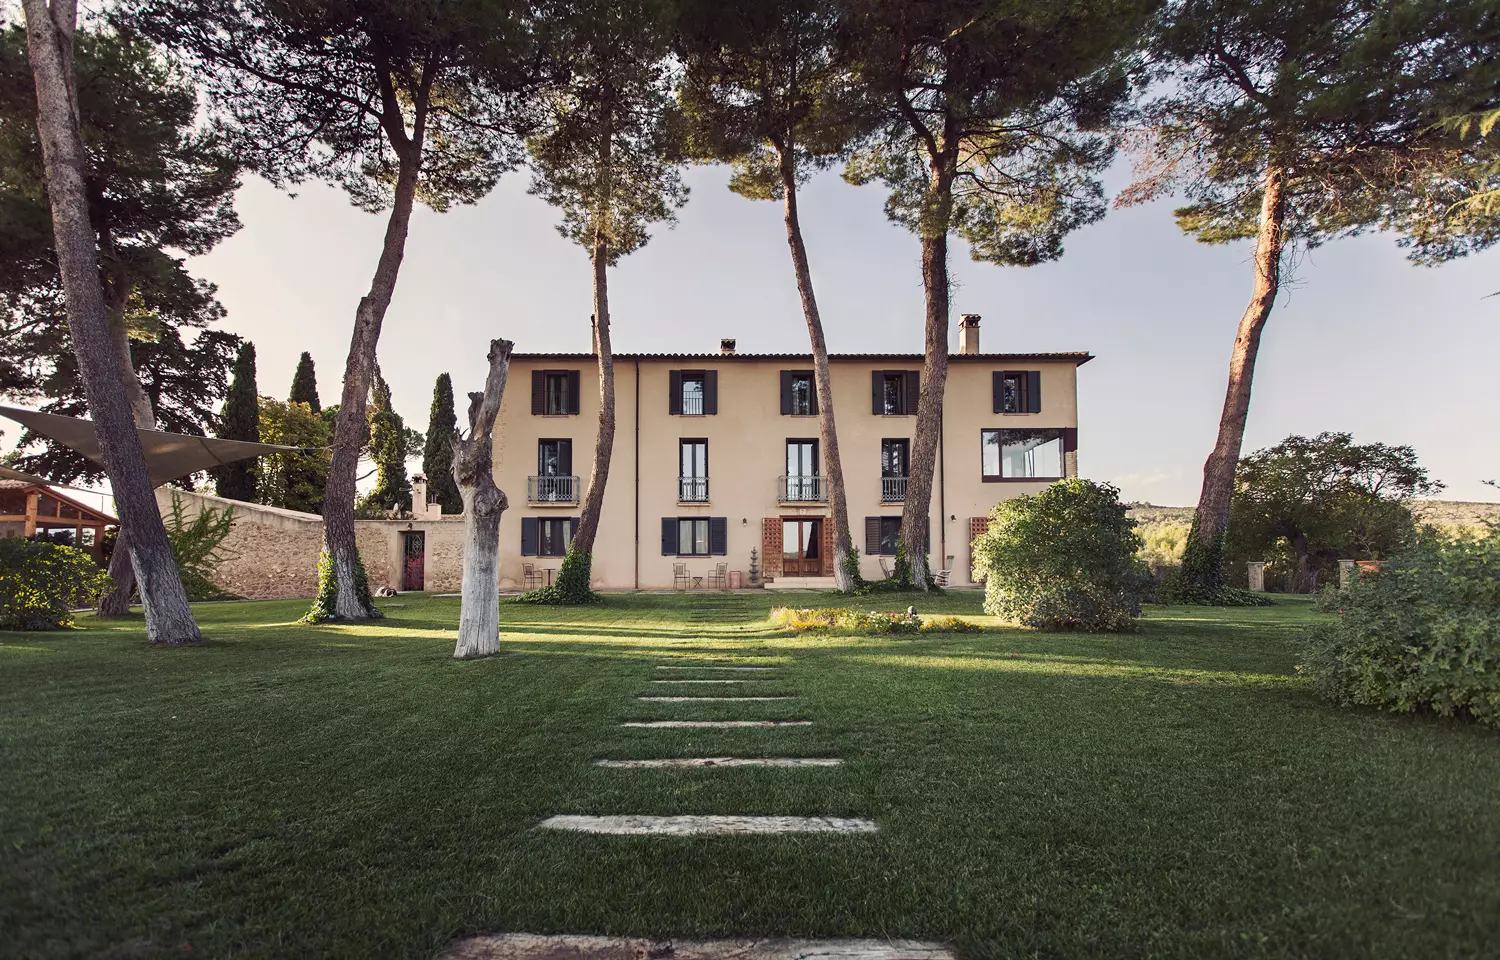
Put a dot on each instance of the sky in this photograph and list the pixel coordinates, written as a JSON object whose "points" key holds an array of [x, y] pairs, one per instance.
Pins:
{"points": [[1360, 340]]}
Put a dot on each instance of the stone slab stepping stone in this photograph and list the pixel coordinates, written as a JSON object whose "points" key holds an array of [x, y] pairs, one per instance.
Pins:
{"points": [[670, 762], [708, 699], [712, 667], [717, 723], [704, 825], [530, 946], [698, 681]]}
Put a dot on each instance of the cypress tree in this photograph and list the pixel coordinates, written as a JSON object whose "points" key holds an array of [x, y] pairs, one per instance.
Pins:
{"points": [[305, 384], [437, 455], [240, 420], [388, 445]]}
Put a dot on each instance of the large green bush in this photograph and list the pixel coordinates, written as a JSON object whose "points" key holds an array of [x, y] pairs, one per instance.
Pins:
{"points": [[41, 583], [1065, 559], [1422, 634]]}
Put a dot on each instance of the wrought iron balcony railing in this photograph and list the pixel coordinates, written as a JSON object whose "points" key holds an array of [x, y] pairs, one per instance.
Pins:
{"points": [[809, 488], [692, 489], [551, 489], [892, 489]]}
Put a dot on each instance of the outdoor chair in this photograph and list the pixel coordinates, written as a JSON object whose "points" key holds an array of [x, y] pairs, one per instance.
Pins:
{"points": [[719, 578], [530, 577], [681, 579], [885, 568], [940, 577]]}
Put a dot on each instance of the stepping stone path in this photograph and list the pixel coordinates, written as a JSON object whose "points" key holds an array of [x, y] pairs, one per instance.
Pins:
{"points": [[557, 947]]}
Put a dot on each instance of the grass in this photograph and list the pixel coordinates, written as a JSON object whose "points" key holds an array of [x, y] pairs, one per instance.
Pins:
{"points": [[354, 792]]}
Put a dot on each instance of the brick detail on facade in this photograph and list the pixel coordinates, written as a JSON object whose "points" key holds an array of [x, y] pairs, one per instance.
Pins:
{"points": [[770, 546]]}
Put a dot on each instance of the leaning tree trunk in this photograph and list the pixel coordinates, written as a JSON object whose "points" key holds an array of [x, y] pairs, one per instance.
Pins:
{"points": [[915, 513], [473, 470], [116, 603], [50, 29], [351, 430], [828, 436], [604, 444], [1205, 568]]}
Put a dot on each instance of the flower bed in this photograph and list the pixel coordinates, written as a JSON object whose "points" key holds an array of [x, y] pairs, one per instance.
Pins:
{"points": [[845, 620]]}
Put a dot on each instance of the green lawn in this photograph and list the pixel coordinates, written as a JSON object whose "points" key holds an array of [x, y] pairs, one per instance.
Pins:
{"points": [[290, 791]]}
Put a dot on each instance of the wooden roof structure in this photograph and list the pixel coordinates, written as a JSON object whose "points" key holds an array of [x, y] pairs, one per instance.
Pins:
{"points": [[26, 508]]}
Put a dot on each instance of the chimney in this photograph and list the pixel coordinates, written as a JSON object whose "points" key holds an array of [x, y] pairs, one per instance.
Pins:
{"points": [[968, 333], [419, 495], [726, 346]]}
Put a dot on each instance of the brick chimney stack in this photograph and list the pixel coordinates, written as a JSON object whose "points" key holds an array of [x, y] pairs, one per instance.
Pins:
{"points": [[968, 333]]}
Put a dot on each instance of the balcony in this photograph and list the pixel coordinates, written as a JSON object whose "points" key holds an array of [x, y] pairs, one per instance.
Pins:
{"points": [[692, 404], [802, 489], [547, 490], [892, 489], [692, 489]]}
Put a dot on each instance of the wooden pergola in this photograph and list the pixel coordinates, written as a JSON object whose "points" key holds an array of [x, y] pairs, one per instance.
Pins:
{"points": [[26, 508]]}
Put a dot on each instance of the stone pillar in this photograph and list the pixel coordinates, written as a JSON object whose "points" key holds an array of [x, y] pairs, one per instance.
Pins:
{"points": [[1257, 576], [1346, 573]]}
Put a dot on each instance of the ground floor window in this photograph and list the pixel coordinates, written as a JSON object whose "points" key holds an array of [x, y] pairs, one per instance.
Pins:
{"points": [[881, 534], [694, 536], [547, 536]]}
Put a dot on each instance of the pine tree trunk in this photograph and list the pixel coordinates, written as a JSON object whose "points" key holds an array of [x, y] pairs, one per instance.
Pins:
{"points": [[169, 619], [828, 436], [593, 501], [473, 470], [116, 603], [1212, 520], [351, 430], [915, 513]]}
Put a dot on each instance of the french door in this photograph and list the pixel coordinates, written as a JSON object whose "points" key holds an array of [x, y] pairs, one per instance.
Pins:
{"points": [[801, 547], [802, 469]]}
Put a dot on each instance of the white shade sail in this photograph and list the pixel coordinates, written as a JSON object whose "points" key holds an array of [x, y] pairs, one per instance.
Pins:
{"points": [[168, 455]]}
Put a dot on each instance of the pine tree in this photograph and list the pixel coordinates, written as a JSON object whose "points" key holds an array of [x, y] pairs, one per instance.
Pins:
{"points": [[437, 455], [305, 384], [240, 421]]}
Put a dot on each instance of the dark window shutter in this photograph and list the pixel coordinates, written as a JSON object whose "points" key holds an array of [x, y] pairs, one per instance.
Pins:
{"points": [[786, 392], [872, 535], [1070, 439], [997, 387], [913, 391], [575, 392], [565, 458], [877, 392], [718, 536], [528, 536], [1033, 391], [674, 393], [710, 392], [669, 536], [812, 393], [572, 529], [538, 402]]}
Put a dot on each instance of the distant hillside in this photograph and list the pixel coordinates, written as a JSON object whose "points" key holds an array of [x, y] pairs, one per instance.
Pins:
{"points": [[1443, 513]]}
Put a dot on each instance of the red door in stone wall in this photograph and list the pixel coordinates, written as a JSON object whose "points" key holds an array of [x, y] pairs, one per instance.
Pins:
{"points": [[413, 560]]}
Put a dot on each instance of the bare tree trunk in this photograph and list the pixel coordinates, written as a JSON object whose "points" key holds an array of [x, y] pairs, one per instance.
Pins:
{"points": [[169, 619], [351, 430], [473, 470], [828, 436], [604, 444], [116, 603], [1212, 519], [915, 513]]}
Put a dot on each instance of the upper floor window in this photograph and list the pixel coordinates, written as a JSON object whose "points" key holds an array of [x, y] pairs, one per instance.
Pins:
{"points": [[893, 457], [1018, 391], [554, 393], [692, 482], [894, 393], [693, 393], [799, 395], [1024, 454]]}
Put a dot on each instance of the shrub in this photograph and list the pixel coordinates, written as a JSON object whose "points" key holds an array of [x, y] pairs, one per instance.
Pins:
{"points": [[1422, 634], [1064, 559], [845, 620], [572, 585], [40, 583], [198, 548]]}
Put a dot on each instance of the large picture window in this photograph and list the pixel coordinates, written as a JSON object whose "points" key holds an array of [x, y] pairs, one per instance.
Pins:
{"points": [[1022, 454]]}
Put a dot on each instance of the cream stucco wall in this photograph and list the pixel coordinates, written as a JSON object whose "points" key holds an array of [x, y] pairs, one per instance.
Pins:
{"points": [[746, 455]]}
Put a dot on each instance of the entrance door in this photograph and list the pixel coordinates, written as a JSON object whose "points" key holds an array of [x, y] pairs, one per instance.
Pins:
{"points": [[801, 547], [413, 557]]}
